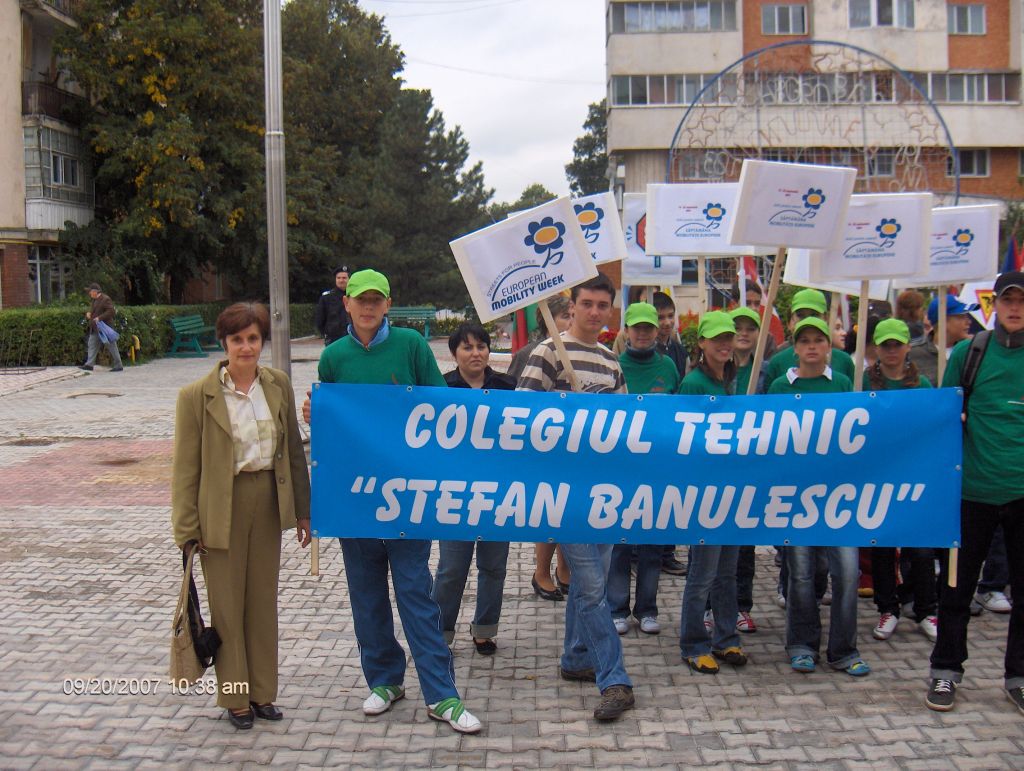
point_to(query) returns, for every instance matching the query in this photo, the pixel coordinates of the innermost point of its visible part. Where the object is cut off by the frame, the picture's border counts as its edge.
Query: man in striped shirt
(593, 650)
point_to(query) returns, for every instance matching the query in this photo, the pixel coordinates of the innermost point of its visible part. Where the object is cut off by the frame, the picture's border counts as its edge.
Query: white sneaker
(709, 621)
(381, 698)
(996, 602)
(780, 600)
(621, 625)
(930, 626)
(649, 625)
(454, 713)
(885, 627)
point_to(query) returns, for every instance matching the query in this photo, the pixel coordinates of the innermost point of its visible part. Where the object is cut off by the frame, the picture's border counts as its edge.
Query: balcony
(64, 11)
(44, 99)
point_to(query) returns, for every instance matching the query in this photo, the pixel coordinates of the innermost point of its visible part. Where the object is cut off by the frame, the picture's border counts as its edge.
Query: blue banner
(463, 464)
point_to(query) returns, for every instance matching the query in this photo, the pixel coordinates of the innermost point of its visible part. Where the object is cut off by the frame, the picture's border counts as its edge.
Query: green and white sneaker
(453, 712)
(381, 698)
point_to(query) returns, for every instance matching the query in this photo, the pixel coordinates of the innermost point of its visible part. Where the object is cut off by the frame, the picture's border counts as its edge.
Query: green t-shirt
(839, 384)
(782, 361)
(896, 385)
(743, 377)
(994, 434)
(697, 383)
(404, 358)
(655, 375)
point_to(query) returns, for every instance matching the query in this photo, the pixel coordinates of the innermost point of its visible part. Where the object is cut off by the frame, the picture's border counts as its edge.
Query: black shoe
(578, 675)
(242, 722)
(266, 711)
(117, 369)
(485, 647)
(563, 587)
(615, 700)
(546, 594)
(941, 695)
(86, 367)
(673, 567)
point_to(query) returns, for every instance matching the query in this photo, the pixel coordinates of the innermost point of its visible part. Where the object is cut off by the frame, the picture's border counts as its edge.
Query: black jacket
(494, 381)
(331, 319)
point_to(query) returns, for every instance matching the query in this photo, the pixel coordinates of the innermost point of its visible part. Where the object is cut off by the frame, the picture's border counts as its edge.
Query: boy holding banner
(593, 650)
(993, 492)
(807, 303)
(376, 352)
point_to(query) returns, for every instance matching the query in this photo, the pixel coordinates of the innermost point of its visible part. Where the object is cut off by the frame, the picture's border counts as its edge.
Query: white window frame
(901, 13)
(61, 168)
(881, 163)
(681, 16)
(976, 155)
(966, 19)
(771, 15)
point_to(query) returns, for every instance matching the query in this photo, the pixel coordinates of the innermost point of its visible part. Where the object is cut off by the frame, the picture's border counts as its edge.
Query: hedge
(55, 336)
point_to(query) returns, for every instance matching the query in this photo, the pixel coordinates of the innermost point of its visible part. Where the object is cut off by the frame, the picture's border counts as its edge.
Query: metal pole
(277, 234)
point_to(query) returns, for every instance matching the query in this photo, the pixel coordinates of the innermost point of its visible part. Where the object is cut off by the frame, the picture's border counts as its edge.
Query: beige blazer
(203, 473)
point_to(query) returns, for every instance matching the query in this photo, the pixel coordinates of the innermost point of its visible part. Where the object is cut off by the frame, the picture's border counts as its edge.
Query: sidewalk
(89, 577)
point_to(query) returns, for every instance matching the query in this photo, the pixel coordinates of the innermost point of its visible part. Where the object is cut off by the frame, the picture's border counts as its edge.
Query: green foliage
(533, 195)
(587, 173)
(55, 336)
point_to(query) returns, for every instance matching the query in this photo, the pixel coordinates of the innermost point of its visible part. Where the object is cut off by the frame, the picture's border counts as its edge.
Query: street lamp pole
(277, 233)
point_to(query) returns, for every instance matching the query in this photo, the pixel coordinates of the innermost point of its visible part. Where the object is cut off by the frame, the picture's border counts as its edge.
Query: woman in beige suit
(239, 479)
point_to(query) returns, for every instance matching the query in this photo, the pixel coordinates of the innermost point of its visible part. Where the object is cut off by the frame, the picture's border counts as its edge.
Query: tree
(533, 195)
(175, 129)
(588, 171)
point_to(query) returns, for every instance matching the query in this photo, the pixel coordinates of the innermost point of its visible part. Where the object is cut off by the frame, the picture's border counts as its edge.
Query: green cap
(811, 323)
(743, 312)
(808, 299)
(892, 329)
(367, 281)
(641, 313)
(715, 323)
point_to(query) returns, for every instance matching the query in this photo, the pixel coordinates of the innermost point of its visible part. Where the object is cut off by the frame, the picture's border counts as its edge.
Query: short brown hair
(237, 317)
(599, 283)
(910, 305)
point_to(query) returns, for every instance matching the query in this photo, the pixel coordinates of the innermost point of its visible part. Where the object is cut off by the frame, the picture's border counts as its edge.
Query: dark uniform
(331, 319)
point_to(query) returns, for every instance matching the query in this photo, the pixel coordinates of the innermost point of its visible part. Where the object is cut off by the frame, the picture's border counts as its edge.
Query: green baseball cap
(891, 329)
(367, 281)
(808, 299)
(715, 323)
(811, 323)
(641, 313)
(743, 312)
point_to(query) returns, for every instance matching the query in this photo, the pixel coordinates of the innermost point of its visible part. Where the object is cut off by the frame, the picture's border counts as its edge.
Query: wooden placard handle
(556, 338)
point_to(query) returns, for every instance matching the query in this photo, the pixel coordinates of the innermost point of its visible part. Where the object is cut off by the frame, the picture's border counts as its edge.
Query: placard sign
(791, 204)
(798, 273)
(602, 229)
(693, 220)
(964, 246)
(640, 268)
(523, 259)
(886, 236)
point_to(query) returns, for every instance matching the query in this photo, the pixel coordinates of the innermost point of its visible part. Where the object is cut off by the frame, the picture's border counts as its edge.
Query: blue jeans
(590, 637)
(367, 561)
(712, 576)
(648, 568)
(450, 583)
(803, 618)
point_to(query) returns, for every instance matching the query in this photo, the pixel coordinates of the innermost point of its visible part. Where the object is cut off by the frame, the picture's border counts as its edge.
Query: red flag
(520, 333)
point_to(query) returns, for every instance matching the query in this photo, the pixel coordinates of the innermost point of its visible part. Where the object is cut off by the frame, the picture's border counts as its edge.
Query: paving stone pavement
(89, 577)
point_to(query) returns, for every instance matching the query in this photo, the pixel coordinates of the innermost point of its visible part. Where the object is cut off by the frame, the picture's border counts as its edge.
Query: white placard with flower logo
(964, 246)
(693, 220)
(599, 221)
(791, 204)
(523, 259)
(640, 268)
(798, 273)
(885, 237)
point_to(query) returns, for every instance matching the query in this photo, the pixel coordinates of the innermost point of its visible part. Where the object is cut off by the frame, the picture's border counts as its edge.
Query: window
(687, 16)
(881, 13)
(636, 90)
(784, 20)
(882, 163)
(63, 170)
(966, 19)
(973, 163)
(50, 279)
(701, 164)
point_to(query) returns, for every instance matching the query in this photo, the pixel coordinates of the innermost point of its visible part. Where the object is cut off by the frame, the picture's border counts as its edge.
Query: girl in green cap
(712, 568)
(894, 370)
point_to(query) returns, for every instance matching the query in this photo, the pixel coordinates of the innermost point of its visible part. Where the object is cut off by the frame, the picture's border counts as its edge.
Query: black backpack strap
(975, 353)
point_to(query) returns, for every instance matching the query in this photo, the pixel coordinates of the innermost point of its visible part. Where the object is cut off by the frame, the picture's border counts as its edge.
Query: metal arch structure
(826, 113)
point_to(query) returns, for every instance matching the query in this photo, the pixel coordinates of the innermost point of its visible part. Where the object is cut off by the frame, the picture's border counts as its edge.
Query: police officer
(331, 320)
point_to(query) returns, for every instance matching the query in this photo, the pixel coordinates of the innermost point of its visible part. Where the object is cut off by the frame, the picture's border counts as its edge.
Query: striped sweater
(597, 369)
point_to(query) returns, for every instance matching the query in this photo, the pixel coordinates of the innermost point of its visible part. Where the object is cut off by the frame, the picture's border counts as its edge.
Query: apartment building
(962, 56)
(45, 179)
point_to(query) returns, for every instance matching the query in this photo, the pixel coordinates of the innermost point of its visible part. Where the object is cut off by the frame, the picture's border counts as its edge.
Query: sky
(515, 75)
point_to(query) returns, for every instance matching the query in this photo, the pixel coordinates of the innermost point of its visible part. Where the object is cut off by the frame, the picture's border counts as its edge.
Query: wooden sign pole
(940, 345)
(563, 355)
(766, 320)
(702, 284)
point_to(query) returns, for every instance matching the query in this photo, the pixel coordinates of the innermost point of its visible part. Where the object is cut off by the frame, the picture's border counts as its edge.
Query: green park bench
(424, 314)
(192, 337)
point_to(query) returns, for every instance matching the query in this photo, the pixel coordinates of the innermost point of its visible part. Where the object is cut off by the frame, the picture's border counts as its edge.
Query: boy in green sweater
(807, 303)
(376, 352)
